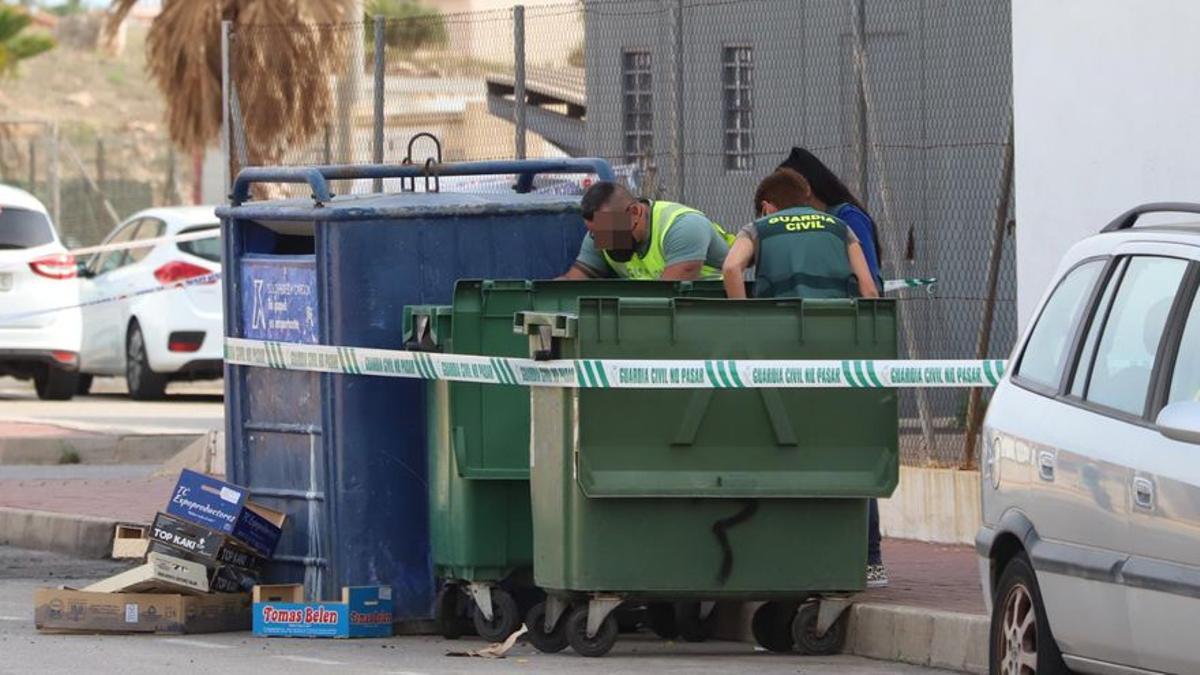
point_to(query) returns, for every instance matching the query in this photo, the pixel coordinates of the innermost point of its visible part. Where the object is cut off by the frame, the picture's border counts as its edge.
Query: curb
(94, 448)
(77, 535)
(920, 636)
(901, 633)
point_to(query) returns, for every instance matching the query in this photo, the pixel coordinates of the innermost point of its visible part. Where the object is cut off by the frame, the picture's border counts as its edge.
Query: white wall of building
(1106, 97)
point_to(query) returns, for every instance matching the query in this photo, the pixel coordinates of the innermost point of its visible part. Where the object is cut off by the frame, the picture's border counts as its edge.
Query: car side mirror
(82, 271)
(1180, 421)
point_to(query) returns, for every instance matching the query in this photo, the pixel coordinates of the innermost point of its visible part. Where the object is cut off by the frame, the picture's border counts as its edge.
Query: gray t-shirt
(690, 238)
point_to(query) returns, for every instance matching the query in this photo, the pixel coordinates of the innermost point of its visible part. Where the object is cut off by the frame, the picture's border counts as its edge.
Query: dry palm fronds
(282, 57)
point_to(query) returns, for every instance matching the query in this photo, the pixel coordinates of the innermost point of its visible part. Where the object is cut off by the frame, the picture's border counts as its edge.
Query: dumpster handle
(421, 340)
(318, 177)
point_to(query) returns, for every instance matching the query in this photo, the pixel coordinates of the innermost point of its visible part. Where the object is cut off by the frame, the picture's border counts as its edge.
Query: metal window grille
(737, 64)
(639, 106)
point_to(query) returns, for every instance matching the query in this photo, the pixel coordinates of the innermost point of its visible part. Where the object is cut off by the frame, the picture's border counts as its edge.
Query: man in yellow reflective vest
(642, 239)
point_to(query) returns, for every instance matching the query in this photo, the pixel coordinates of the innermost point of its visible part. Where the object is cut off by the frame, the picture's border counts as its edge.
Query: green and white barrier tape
(891, 285)
(616, 373)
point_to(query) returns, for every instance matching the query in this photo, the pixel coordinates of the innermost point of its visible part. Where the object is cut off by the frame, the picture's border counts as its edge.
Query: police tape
(616, 373)
(194, 281)
(892, 285)
(207, 233)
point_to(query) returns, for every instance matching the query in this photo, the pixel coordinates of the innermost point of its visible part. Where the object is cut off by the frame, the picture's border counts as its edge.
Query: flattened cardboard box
(161, 573)
(71, 611)
(224, 507)
(178, 537)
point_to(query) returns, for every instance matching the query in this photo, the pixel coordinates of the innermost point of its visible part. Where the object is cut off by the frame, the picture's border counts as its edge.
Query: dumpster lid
(403, 205)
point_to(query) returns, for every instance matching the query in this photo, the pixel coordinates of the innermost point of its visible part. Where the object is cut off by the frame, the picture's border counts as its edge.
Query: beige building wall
(488, 35)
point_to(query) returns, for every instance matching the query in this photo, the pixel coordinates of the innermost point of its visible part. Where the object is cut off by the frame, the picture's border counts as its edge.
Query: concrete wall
(1105, 94)
(935, 505)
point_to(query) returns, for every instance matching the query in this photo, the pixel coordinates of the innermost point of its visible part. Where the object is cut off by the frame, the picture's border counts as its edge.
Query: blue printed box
(224, 507)
(365, 611)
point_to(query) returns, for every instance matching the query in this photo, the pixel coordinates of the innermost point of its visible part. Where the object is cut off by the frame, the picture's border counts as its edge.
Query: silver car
(1090, 544)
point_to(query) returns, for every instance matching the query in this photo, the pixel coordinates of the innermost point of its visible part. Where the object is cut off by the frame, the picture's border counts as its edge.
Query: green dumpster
(707, 494)
(480, 522)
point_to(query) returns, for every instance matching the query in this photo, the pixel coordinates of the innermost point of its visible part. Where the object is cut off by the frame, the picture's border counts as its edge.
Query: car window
(108, 261)
(1129, 341)
(1185, 380)
(22, 228)
(1084, 364)
(150, 228)
(209, 249)
(1046, 350)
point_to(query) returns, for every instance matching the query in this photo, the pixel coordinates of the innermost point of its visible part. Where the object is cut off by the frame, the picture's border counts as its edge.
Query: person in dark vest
(645, 240)
(841, 202)
(801, 251)
(797, 249)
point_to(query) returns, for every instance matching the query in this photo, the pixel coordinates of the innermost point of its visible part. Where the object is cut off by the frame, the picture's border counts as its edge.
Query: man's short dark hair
(599, 194)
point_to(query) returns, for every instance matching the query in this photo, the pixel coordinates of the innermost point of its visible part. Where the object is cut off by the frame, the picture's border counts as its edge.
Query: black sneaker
(877, 576)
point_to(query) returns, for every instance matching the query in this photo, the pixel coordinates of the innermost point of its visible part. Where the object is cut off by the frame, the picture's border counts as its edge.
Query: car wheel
(1021, 642)
(144, 384)
(55, 384)
(83, 385)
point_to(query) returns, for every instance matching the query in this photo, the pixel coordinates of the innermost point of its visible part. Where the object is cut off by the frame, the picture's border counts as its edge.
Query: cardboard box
(161, 573)
(365, 611)
(187, 540)
(70, 611)
(130, 541)
(224, 507)
(228, 579)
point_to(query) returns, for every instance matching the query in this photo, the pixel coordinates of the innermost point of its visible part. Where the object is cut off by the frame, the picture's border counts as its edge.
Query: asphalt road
(24, 650)
(189, 408)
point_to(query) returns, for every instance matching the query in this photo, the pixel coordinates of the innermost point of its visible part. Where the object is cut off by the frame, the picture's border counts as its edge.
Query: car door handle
(1143, 493)
(1046, 466)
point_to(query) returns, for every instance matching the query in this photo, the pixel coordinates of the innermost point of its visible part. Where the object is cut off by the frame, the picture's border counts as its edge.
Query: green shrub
(409, 25)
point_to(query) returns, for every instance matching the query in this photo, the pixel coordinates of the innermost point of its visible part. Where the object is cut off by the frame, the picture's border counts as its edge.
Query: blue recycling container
(344, 456)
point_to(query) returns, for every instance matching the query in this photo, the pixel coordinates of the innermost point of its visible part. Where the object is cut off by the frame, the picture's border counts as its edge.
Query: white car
(165, 325)
(39, 298)
(1090, 544)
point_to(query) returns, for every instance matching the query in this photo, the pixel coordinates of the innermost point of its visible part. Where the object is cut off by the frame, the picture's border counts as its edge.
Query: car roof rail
(1127, 219)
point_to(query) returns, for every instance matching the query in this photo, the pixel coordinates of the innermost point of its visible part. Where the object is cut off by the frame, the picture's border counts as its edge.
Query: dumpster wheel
(804, 632)
(696, 620)
(450, 612)
(577, 633)
(772, 626)
(506, 617)
(550, 642)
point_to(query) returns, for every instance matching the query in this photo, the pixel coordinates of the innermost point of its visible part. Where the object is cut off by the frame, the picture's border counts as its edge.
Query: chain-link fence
(89, 182)
(909, 101)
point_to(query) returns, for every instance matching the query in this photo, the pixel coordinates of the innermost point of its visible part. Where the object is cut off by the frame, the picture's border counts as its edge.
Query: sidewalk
(931, 614)
(934, 576)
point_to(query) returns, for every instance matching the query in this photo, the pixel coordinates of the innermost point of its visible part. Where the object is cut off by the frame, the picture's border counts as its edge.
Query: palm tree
(285, 54)
(15, 44)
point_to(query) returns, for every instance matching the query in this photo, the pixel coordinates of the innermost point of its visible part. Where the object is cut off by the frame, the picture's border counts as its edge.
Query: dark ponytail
(828, 187)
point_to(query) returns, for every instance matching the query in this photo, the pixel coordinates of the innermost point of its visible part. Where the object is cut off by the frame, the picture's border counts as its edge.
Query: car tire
(1020, 639)
(83, 385)
(144, 384)
(55, 384)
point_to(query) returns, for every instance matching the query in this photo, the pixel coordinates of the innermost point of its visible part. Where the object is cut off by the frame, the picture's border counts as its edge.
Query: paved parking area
(189, 408)
(25, 650)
